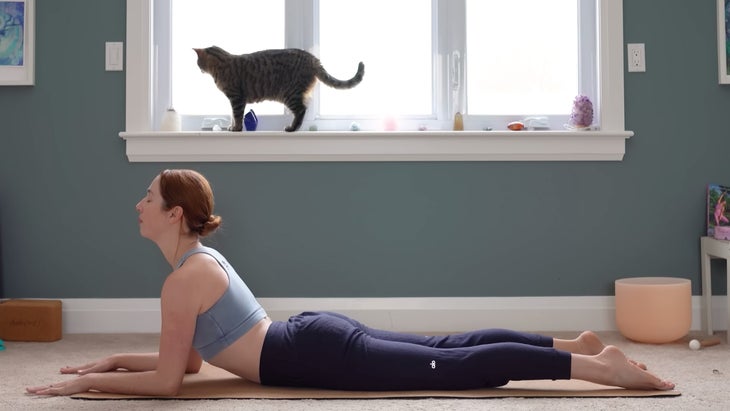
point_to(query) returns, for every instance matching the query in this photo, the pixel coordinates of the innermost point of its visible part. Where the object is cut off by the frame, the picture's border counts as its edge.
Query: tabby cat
(286, 76)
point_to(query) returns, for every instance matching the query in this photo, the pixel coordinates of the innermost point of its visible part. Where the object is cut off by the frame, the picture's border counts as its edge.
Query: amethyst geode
(582, 115)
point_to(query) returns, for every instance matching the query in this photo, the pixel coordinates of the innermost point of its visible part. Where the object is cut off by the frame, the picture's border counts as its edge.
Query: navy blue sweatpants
(329, 350)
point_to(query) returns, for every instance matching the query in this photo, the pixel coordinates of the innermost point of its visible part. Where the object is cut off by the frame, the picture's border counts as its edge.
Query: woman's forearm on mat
(136, 362)
(148, 362)
(133, 383)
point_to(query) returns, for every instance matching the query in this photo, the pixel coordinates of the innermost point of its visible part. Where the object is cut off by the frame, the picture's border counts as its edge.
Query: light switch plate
(114, 56)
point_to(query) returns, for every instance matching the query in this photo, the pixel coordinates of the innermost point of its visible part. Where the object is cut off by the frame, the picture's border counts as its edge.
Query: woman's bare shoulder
(200, 263)
(201, 279)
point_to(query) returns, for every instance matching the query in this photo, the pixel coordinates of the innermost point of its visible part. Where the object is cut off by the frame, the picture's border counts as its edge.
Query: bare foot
(611, 367)
(587, 343)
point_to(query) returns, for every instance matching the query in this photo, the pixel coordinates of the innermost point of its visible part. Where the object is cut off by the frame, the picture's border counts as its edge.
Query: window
(192, 91)
(522, 62)
(397, 55)
(526, 63)
(444, 39)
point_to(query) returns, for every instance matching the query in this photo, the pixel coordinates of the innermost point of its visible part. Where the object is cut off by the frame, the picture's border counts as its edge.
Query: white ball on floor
(694, 345)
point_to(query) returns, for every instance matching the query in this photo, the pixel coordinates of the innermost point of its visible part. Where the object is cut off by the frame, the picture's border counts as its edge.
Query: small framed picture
(17, 43)
(723, 45)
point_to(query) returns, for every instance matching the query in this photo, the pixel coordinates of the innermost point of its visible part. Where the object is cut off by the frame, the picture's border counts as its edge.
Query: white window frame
(605, 144)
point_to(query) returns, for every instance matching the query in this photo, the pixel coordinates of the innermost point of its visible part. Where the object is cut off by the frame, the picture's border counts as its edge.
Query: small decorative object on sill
(313, 127)
(250, 121)
(516, 126)
(390, 124)
(215, 124)
(354, 126)
(581, 117)
(171, 121)
(422, 127)
(536, 123)
(458, 122)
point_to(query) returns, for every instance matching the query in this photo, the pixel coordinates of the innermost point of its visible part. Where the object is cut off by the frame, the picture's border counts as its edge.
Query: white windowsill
(210, 146)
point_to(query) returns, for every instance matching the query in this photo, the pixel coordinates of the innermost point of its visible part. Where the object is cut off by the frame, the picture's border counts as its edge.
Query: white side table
(712, 248)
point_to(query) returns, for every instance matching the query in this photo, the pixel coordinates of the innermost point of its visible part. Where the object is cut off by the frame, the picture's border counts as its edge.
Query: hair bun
(214, 221)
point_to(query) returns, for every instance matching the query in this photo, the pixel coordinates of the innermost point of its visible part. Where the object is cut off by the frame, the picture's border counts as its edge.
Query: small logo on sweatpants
(433, 365)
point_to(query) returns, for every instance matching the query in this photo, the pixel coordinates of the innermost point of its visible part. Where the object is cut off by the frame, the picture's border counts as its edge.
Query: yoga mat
(215, 383)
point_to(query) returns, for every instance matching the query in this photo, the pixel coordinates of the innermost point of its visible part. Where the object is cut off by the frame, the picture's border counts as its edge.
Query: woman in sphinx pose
(208, 313)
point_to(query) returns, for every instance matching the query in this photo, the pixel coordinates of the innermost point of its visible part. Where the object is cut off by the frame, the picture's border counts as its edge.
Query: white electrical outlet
(636, 57)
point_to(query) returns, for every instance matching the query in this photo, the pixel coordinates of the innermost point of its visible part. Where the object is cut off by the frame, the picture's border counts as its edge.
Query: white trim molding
(376, 146)
(447, 314)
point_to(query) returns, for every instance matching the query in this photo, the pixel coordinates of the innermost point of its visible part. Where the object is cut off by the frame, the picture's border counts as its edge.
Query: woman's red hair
(190, 191)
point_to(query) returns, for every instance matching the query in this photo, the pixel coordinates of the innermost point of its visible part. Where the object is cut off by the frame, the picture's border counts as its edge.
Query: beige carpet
(703, 378)
(214, 383)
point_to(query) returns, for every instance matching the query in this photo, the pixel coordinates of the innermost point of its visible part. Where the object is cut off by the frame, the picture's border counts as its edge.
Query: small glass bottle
(458, 122)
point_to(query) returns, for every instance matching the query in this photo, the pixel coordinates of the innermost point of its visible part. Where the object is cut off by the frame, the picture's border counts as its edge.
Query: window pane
(393, 39)
(524, 61)
(229, 24)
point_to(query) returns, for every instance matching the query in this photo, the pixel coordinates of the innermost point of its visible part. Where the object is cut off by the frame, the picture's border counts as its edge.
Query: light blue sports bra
(236, 312)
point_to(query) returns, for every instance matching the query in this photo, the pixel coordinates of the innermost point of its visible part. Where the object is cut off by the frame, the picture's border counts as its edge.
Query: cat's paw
(291, 128)
(235, 128)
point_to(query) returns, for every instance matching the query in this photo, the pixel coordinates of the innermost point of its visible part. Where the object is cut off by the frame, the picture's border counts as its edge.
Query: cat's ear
(199, 52)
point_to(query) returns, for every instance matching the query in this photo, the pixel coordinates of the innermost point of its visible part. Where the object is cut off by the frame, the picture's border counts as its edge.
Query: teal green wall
(67, 192)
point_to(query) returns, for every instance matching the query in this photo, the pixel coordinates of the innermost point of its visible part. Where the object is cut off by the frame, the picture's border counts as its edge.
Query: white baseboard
(451, 314)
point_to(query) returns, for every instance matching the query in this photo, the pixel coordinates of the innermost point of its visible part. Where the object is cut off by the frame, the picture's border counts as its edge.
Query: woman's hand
(76, 385)
(72, 386)
(103, 365)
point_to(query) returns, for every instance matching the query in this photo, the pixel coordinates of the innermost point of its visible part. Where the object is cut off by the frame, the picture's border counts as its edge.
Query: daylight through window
(493, 61)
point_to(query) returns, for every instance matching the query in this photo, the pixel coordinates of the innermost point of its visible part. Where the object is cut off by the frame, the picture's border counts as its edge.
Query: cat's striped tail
(327, 79)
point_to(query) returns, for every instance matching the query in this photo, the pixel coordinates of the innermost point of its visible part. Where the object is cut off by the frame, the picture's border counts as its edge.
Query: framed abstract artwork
(723, 43)
(17, 41)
